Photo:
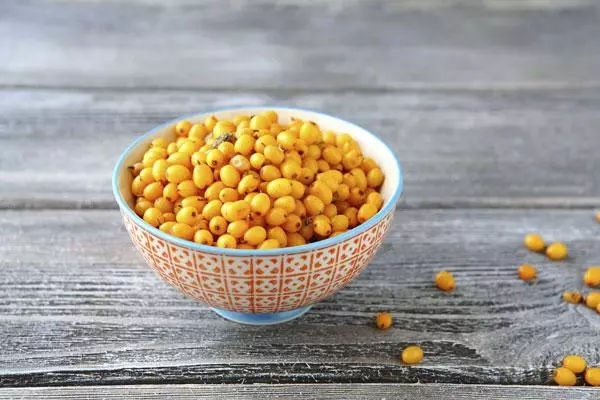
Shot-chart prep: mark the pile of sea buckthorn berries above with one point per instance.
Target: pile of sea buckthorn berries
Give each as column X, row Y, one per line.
column 254, row 182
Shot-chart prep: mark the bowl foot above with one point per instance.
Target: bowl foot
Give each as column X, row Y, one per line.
column 262, row 319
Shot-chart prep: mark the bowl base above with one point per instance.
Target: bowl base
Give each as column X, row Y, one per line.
column 262, row 319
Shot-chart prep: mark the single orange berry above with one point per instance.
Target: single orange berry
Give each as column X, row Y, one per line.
column 592, row 276
column 572, row 297
column 564, row 377
column 534, row 242
column 592, row 376
column 412, row 355
column 575, row 363
column 592, row 300
column 444, row 280
column 527, row 272
column 557, row 251
column 383, row 320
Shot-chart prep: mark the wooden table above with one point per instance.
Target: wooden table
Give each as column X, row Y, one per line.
column 493, row 108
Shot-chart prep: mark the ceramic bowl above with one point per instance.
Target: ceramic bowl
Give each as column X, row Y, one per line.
column 261, row 286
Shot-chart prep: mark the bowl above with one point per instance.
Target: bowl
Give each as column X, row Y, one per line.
column 261, row 286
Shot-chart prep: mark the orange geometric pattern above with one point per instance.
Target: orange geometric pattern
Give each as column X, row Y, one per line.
column 259, row 284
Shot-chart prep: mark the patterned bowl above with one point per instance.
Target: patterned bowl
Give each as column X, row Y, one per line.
column 261, row 286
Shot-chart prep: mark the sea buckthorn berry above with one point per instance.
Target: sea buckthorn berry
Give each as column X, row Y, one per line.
column 255, row 235
column 575, row 363
column 275, row 128
column 597, row 216
column 218, row 225
column 212, row 192
column 262, row 142
column 188, row 215
column 141, row 206
column 298, row 189
column 279, row 187
column 210, row 122
column 230, row 176
column 329, row 137
column 564, row 377
column 592, row 276
column 557, row 251
column 223, row 127
column 332, row 155
column 361, row 178
column 269, row 173
column 178, row 173
column 183, row 231
column 136, row 168
column 172, row 148
column 592, row 376
column 137, row 186
column 245, row 246
column 342, row 206
column 260, row 204
column 307, row 176
column 197, row 202
column 203, row 236
column 339, row 222
column 368, row 164
column 239, row 119
column 177, row 206
column 183, row 127
column 257, row 160
column 153, row 191
column 227, row 149
column 286, row 140
column 226, row 242
column 203, row 176
column 240, row 163
column 322, row 227
column 299, row 208
column 313, row 151
column 343, row 192
column 274, row 154
column 250, row 196
column 244, row 145
column 288, row 203
column 248, row 183
column 240, row 209
column 323, row 165
column 572, row 297
column 353, row 159
column 212, row 209
column 527, row 272
column 269, row 244
column 444, row 280
column 278, row 234
column 169, row 217
column 330, row 210
column 311, row 163
column 301, row 148
column 167, row 226
column 259, row 122
column 365, row 212
column 375, row 199
column 146, row 174
column 215, row 158
column 314, row 205
column 322, row 191
column 187, row 188
column 349, row 180
column 534, row 242
column 271, row 116
column 412, row 355
column 189, row 148
column 351, row 213
column 179, row 158
column 276, row 216
column 592, row 300
column 159, row 170
column 383, row 320
column 295, row 239
column 227, row 195
column 357, row 197
column 170, row 192
column 153, row 216
column 164, row 205
column 160, row 142
column 291, row 169
column 293, row 223
column 307, row 231
column 310, row 133
column 237, row 229
column 197, row 132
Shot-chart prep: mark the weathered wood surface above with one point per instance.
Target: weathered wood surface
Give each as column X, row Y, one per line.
column 317, row 45
column 304, row 391
column 78, row 306
column 459, row 149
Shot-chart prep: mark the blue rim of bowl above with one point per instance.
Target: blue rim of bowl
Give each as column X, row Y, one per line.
column 390, row 206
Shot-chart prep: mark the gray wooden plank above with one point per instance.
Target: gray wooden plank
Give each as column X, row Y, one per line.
column 458, row 148
column 299, row 44
column 305, row 391
column 78, row 306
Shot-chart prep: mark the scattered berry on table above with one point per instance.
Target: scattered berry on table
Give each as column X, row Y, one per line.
column 412, row 355
column 444, row 280
column 557, row 251
column 383, row 320
column 534, row 242
column 572, row 297
column 575, row 363
column 564, row 377
column 592, row 276
column 527, row 272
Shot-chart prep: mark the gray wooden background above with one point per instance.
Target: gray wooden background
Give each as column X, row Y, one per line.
column 492, row 106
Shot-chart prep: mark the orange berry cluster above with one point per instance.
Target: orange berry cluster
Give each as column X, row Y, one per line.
column 573, row 365
column 254, row 182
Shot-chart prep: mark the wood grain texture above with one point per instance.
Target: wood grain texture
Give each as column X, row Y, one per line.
column 78, row 306
column 300, row 44
column 458, row 149
column 305, row 391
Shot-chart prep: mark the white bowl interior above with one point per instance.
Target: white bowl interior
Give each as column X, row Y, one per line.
column 370, row 145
